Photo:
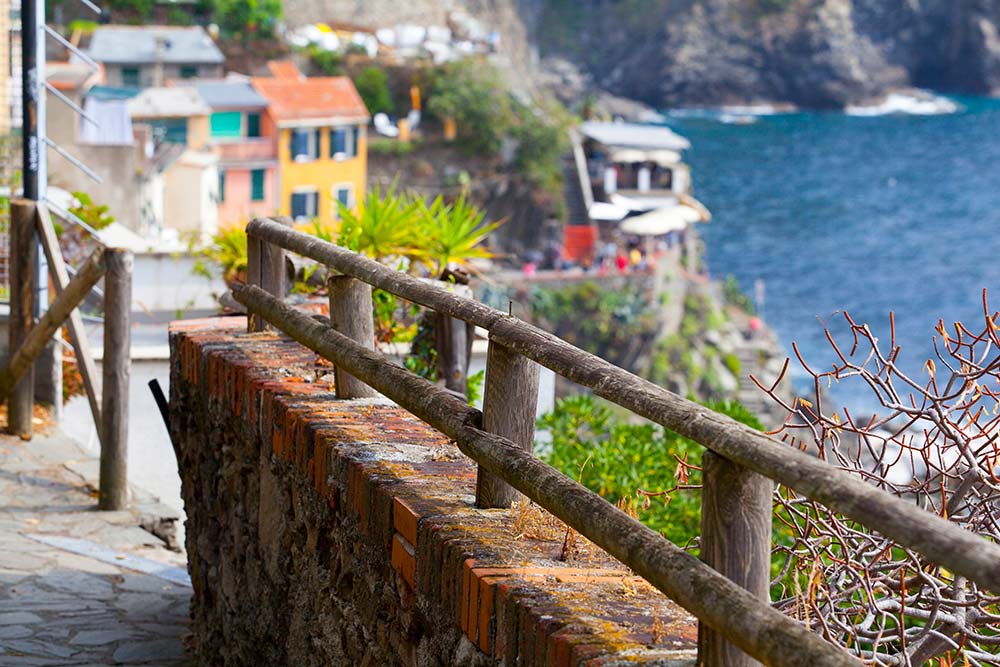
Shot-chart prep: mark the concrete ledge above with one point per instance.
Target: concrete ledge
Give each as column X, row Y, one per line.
column 323, row 531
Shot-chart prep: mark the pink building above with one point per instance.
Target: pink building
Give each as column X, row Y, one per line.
column 248, row 164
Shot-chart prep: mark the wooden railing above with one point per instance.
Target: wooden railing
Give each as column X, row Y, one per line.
column 31, row 226
column 728, row 592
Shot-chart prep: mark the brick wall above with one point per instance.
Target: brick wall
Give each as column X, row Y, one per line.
column 326, row 532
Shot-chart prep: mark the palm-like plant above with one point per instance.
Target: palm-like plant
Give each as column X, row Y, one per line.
column 385, row 226
column 452, row 234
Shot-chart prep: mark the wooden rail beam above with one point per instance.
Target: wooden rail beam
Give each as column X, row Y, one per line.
column 116, row 366
column 755, row 627
column 48, row 325
column 23, row 251
column 938, row 539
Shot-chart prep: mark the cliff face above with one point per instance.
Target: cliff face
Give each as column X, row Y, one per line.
column 813, row 53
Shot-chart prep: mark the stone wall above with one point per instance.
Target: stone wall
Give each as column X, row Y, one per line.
column 330, row 532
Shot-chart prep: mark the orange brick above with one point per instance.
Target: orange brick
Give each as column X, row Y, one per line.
column 404, row 520
column 473, row 629
column 403, row 559
column 467, row 567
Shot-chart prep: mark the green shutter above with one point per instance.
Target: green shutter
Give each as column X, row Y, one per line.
column 253, row 125
column 257, row 185
column 222, row 186
column 227, row 125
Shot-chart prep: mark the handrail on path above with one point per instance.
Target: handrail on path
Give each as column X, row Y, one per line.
column 728, row 592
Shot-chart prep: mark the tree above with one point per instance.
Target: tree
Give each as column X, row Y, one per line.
column 374, row 90
column 932, row 442
column 250, row 19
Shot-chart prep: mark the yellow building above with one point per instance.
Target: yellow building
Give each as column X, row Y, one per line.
column 319, row 126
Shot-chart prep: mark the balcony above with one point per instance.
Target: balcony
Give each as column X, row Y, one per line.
column 247, row 151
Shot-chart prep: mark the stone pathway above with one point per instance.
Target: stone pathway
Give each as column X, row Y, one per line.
column 62, row 608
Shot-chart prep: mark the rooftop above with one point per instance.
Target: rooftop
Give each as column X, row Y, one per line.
column 167, row 103
column 293, row 97
column 138, row 45
column 634, row 135
column 228, row 94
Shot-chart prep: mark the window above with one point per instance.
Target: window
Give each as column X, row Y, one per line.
column 169, row 130
column 305, row 205
column 226, row 125
column 253, row 125
column 304, row 145
column 130, row 77
column 257, row 185
column 343, row 142
column 222, row 185
column 189, row 72
column 344, row 194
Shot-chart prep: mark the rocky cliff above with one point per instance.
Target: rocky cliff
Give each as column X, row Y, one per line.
column 813, row 53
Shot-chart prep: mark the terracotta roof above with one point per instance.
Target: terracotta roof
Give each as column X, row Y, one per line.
column 303, row 98
column 284, row 69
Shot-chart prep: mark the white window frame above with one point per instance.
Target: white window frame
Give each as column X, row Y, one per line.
column 313, row 145
column 306, row 191
column 351, row 198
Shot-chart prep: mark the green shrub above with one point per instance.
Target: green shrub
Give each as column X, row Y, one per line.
column 734, row 296
column 617, row 460
column 387, row 146
column 328, row 62
column 374, row 90
column 475, row 95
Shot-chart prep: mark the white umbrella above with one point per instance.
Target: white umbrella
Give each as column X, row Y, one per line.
column 660, row 221
column 605, row 211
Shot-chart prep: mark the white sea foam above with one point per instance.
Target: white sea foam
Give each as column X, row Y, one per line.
column 918, row 103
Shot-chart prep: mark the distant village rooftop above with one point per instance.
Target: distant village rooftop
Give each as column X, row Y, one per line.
column 167, row 103
column 230, row 94
column 634, row 135
column 152, row 44
column 293, row 97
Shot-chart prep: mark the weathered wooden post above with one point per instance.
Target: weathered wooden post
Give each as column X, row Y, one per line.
column 23, row 251
column 254, row 322
column 266, row 269
column 509, row 404
column 736, row 509
column 114, row 392
column 351, row 314
column 451, row 337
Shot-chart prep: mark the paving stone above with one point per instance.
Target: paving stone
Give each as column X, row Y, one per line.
column 19, row 617
column 154, row 651
column 39, row 648
column 15, row 631
column 101, row 637
column 79, row 583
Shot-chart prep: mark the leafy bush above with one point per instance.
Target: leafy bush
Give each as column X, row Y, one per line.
column 613, row 324
column 734, row 295
column 250, row 19
column 329, row 62
column 387, row 146
column 620, row 460
column 475, row 95
column 374, row 90
column 95, row 215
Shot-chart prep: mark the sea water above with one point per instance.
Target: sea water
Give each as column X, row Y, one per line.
column 859, row 212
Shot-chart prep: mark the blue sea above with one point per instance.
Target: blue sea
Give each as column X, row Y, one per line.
column 871, row 214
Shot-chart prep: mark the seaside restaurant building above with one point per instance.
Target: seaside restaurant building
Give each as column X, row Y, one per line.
column 636, row 167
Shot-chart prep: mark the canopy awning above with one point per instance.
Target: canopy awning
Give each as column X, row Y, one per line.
column 604, row 211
